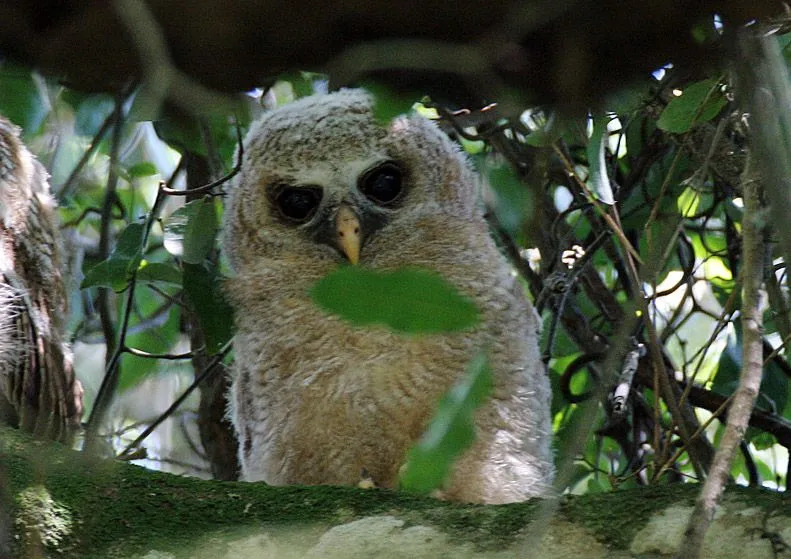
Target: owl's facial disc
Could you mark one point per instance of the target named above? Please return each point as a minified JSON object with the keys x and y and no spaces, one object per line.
{"x":349,"y":237}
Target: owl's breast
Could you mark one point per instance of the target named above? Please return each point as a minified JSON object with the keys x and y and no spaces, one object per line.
{"x":332,"y":398}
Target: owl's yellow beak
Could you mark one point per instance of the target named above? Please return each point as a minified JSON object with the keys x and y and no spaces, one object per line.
{"x":347,"y":226}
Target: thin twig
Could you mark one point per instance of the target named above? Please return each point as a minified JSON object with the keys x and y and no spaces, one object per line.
{"x":65,"y":189}
{"x":167,"y":356}
{"x":213,"y":364}
{"x":207,"y":188}
{"x":103,"y":396}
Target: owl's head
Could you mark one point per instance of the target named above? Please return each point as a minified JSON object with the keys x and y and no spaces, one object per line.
{"x":322,"y":179}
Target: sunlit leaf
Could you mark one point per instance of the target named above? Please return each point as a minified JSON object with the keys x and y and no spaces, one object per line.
{"x":91,"y":110}
{"x":699,"y":102}
{"x":407,"y":300}
{"x":450,"y":432}
{"x":302,"y":83}
{"x":142,"y":169}
{"x":688,"y":202}
{"x":190,"y":230}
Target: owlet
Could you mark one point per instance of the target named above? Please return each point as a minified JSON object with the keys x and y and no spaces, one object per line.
{"x":317,"y":400}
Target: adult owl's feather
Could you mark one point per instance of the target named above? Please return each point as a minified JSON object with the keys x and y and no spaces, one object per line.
{"x":317,"y":400}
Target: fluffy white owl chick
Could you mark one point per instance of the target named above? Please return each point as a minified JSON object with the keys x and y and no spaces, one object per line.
{"x":317,"y":400}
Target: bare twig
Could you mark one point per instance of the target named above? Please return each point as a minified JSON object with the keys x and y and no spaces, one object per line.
{"x":103,"y":397}
{"x":213,"y":364}
{"x":65,"y":189}
{"x":207,"y":188}
{"x":167,"y":356}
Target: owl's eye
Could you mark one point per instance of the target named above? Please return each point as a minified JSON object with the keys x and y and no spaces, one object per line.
{"x":382,"y":184}
{"x":298,"y":203}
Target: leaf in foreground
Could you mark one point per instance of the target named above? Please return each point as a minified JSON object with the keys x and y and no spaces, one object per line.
{"x":450,"y":432}
{"x":407,"y":300}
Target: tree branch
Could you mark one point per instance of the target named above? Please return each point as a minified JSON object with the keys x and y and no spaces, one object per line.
{"x":750,"y":379}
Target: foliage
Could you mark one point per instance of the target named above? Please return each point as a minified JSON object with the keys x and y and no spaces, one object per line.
{"x":411,"y":301}
{"x":625,"y":226}
{"x":450,"y":432}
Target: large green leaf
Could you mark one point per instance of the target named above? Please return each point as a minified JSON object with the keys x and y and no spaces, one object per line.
{"x":407,"y":300}
{"x":699,"y":102}
{"x":116,"y":271}
{"x":190,"y":230}
{"x":450,"y":432}
{"x":20,"y":98}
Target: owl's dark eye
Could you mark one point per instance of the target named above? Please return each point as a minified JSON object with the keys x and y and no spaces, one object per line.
{"x":298,"y":203}
{"x":382,"y":184}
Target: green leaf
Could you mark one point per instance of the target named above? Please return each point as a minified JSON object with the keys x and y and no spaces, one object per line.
{"x":302,"y":83}
{"x":761,"y":440}
{"x":91,"y":110}
{"x":688,"y":202}
{"x":190,"y":230}
{"x":108,"y":273}
{"x":203,"y":287}
{"x":512,"y":203}
{"x":773,"y":394}
{"x":598,"y":180}
{"x":117,"y":270}
{"x":389,"y":104}
{"x":450,"y":432}
{"x":158,"y":272}
{"x":142,"y":169}
{"x":407,"y":300}
{"x":20,"y":99}
{"x":699,"y":102}
{"x":188,"y":134}
{"x":153,"y":337}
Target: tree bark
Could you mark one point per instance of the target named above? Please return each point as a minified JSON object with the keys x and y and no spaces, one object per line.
{"x":56,"y":502}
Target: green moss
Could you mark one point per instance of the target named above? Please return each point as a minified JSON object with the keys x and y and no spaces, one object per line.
{"x":614,"y":518}
{"x":100,"y":508}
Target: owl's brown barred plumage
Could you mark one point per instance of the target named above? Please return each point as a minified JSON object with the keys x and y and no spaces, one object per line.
{"x":38,"y":391}
{"x":316,"y":400}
